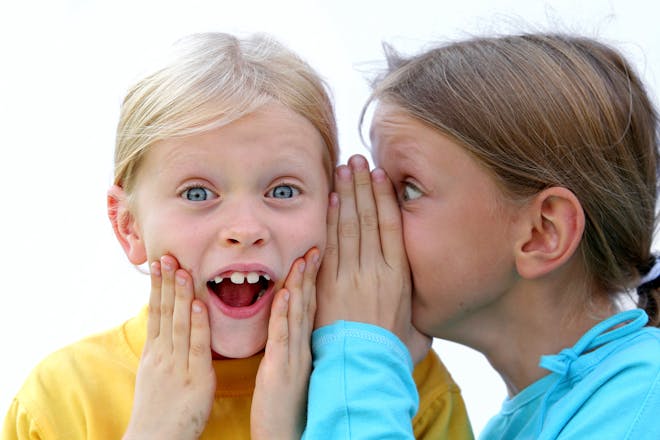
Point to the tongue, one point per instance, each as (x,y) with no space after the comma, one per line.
(238,295)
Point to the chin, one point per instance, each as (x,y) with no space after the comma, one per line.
(238,349)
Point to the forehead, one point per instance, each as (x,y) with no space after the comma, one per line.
(272,134)
(396,134)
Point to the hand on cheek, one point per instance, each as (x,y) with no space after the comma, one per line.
(175,381)
(280,396)
(365,276)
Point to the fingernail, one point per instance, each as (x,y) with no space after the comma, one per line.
(285,297)
(334,199)
(343,172)
(155,269)
(181,280)
(316,258)
(301,266)
(378,175)
(164,263)
(196,308)
(359,162)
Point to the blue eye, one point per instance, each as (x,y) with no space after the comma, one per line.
(197,194)
(410,192)
(283,192)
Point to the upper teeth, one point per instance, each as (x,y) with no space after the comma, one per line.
(240,277)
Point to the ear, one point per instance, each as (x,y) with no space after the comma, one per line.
(551,232)
(124,225)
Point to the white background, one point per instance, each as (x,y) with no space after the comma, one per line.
(64,67)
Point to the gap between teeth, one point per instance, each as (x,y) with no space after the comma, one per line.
(240,277)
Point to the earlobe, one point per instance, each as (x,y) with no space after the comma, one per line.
(552,231)
(124,225)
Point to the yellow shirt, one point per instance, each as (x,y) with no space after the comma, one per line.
(85,391)
(441,413)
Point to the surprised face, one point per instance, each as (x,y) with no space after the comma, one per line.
(236,205)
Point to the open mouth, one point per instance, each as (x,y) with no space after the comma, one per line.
(240,289)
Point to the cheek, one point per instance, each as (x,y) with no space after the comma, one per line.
(310,229)
(418,245)
(430,256)
(169,234)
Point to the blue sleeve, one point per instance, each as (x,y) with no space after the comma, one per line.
(361,385)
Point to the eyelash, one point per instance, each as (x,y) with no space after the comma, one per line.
(209,193)
(296,190)
(407,185)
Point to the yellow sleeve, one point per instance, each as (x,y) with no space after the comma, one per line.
(19,425)
(442,413)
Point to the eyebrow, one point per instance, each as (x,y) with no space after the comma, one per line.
(284,162)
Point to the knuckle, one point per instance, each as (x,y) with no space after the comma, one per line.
(197,349)
(298,319)
(197,323)
(330,249)
(389,225)
(311,304)
(281,338)
(310,273)
(369,219)
(179,328)
(181,293)
(349,229)
(166,309)
(362,180)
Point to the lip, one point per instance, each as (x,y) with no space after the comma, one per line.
(244,267)
(251,310)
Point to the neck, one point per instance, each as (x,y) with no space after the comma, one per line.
(533,319)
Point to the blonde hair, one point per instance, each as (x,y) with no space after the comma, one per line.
(214,79)
(542,110)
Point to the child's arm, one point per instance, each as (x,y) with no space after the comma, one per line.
(175,380)
(280,395)
(365,275)
(362,385)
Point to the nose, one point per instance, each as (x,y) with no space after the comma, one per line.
(244,228)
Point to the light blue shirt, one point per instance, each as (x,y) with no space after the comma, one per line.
(605,387)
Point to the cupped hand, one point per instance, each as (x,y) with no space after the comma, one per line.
(175,381)
(365,276)
(280,396)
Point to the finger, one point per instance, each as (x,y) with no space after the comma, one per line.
(328,269)
(366,209)
(168,266)
(200,338)
(349,225)
(295,319)
(301,342)
(277,346)
(389,220)
(312,263)
(183,296)
(153,321)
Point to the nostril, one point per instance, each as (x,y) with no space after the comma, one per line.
(243,238)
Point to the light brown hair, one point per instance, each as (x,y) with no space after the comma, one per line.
(542,110)
(213,80)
